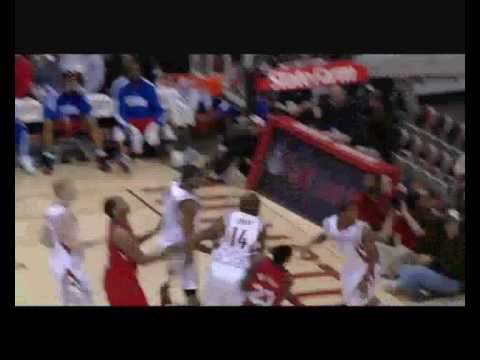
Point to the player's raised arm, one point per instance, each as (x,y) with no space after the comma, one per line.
(148,235)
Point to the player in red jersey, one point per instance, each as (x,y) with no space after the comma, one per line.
(268,282)
(121,282)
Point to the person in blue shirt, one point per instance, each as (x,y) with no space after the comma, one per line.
(139,115)
(73,109)
(22,145)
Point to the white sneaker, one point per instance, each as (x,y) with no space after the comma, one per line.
(26,163)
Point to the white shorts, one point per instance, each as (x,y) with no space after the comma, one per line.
(73,285)
(151,135)
(224,285)
(350,293)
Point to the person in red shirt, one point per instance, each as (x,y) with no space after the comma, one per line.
(268,282)
(23,76)
(374,204)
(121,282)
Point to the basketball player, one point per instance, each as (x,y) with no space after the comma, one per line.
(121,282)
(72,108)
(356,241)
(139,115)
(240,237)
(181,208)
(60,235)
(268,282)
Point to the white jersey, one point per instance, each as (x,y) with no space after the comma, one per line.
(240,242)
(67,265)
(172,232)
(354,268)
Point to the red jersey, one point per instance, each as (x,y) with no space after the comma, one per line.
(268,285)
(121,283)
(373,211)
(119,262)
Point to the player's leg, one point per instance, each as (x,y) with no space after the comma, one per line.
(214,291)
(97,137)
(190,283)
(22,144)
(48,153)
(152,136)
(123,291)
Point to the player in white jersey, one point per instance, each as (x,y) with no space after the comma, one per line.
(60,235)
(240,239)
(181,206)
(356,242)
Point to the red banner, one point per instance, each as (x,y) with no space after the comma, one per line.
(340,72)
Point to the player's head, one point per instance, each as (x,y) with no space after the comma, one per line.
(349,212)
(192,176)
(134,70)
(250,204)
(281,254)
(71,80)
(116,207)
(373,184)
(65,189)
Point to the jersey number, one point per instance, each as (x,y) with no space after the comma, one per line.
(238,239)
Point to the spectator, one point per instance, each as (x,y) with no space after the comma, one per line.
(22,145)
(339,114)
(240,143)
(73,109)
(91,67)
(380,133)
(47,72)
(139,117)
(445,275)
(23,76)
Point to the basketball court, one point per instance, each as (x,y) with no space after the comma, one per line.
(315,284)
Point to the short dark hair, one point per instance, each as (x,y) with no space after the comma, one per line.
(346,205)
(281,254)
(109,207)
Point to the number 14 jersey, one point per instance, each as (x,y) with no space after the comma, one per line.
(241,240)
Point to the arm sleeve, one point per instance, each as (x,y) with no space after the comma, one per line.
(154,103)
(85,106)
(121,112)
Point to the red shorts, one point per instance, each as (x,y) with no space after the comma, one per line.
(76,125)
(124,290)
(141,124)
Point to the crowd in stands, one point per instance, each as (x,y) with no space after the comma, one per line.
(422,238)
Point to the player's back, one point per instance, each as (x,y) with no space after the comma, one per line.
(268,284)
(241,240)
(172,230)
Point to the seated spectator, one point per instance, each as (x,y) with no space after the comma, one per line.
(47,72)
(23,76)
(140,115)
(91,67)
(445,273)
(22,146)
(339,114)
(380,132)
(72,110)
(239,143)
